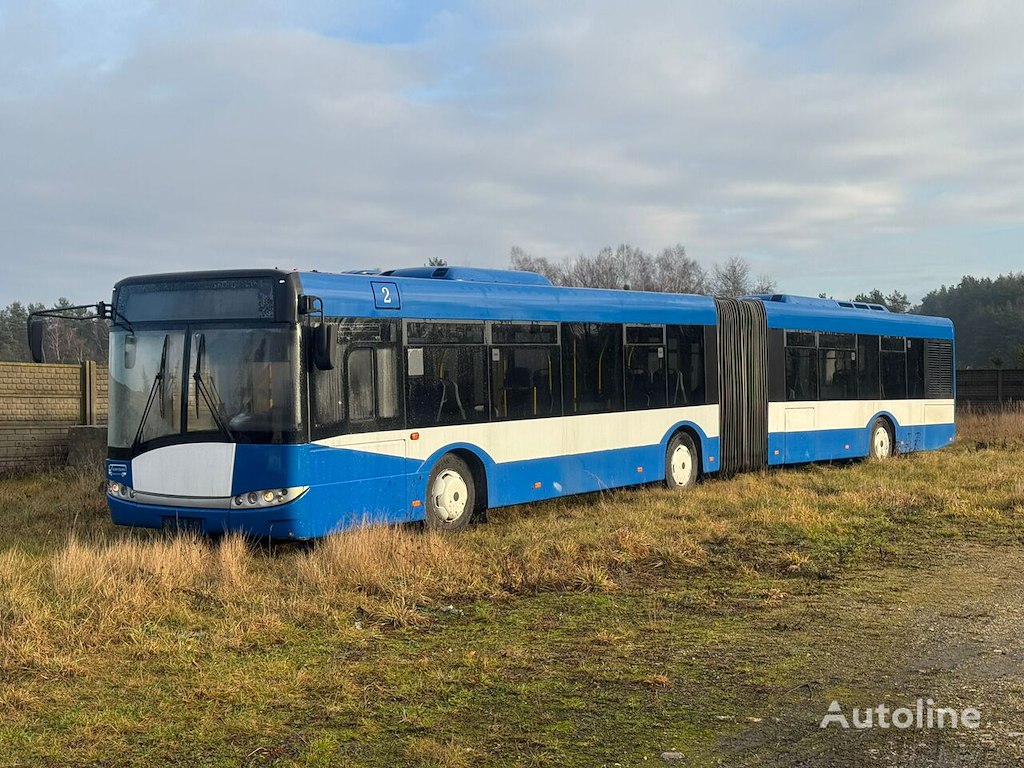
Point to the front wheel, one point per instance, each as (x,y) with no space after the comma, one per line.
(881,440)
(451,495)
(680,462)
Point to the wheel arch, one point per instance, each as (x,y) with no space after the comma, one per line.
(700,442)
(479,463)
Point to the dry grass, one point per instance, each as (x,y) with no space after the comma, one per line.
(79,598)
(992,428)
(100,586)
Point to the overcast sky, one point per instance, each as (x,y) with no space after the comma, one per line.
(835,146)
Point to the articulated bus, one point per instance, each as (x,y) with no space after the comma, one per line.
(292,404)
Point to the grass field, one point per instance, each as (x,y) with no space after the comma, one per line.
(601,630)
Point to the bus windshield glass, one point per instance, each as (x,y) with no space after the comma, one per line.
(239,385)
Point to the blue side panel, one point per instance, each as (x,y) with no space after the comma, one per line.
(822,445)
(523,481)
(832,444)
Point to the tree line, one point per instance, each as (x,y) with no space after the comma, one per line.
(626,267)
(64,341)
(988,313)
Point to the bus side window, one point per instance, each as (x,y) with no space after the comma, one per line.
(894,368)
(837,378)
(592,367)
(684,373)
(525,382)
(801,366)
(867,367)
(452,388)
(361,393)
(645,367)
(915,368)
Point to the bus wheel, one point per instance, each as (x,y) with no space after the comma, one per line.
(881,440)
(451,495)
(680,462)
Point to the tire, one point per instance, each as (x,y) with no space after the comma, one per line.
(880,443)
(451,495)
(681,460)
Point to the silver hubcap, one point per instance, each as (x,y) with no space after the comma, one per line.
(449,495)
(881,443)
(681,464)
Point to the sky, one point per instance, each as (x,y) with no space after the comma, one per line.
(837,147)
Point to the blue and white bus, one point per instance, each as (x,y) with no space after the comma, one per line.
(293,404)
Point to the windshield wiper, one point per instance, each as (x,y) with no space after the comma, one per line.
(209,392)
(158,386)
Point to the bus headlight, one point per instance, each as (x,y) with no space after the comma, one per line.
(269,497)
(120,490)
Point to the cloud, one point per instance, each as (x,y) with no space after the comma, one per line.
(830,145)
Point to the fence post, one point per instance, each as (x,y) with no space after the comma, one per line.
(87,411)
(999,385)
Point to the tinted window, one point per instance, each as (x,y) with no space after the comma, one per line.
(894,368)
(524,333)
(684,370)
(837,375)
(452,387)
(867,367)
(800,339)
(421,332)
(592,367)
(801,374)
(362,392)
(837,340)
(915,368)
(525,382)
(645,376)
(645,334)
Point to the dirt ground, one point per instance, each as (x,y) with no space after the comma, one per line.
(952,632)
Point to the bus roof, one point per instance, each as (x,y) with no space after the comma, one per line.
(465,293)
(846,317)
(487,299)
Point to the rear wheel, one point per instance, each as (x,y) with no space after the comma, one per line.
(680,462)
(451,495)
(881,440)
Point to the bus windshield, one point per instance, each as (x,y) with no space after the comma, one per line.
(239,385)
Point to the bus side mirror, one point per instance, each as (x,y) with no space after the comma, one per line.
(36,327)
(129,352)
(325,346)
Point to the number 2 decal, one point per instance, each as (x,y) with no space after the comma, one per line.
(386,295)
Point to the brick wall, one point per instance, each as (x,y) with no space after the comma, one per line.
(38,403)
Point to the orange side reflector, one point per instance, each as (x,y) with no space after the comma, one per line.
(417,503)
(711,458)
(639,469)
(846,447)
(536,485)
(414,436)
(776,451)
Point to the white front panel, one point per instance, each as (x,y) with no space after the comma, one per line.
(194,469)
(508,441)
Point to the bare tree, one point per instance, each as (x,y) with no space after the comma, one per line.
(671,271)
(522,261)
(731,278)
(675,272)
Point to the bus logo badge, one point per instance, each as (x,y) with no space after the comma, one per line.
(117,470)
